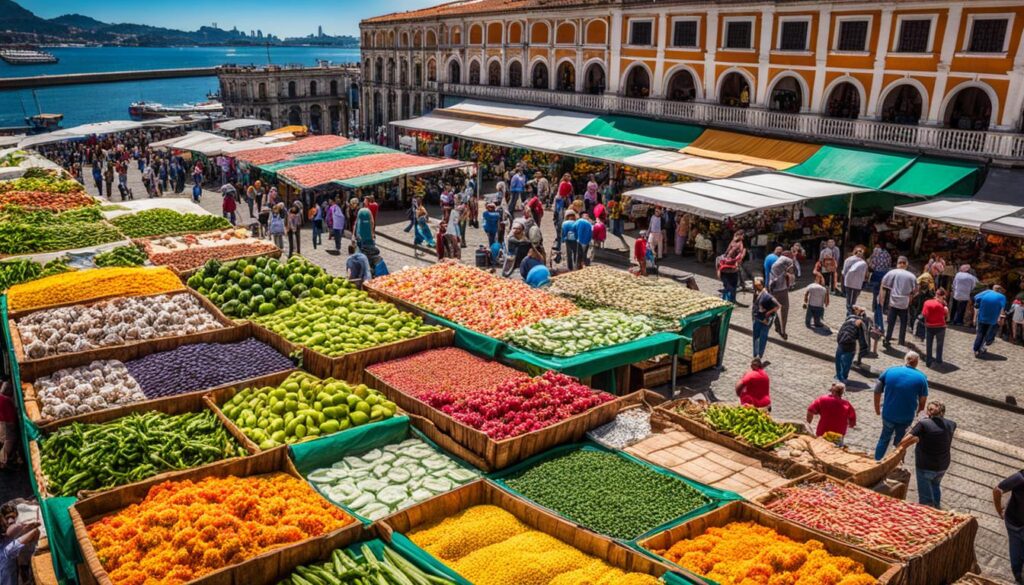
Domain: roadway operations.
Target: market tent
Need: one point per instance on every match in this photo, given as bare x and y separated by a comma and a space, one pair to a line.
11, 140
276, 141
854, 166
1011, 225
563, 121
79, 132
970, 213
356, 165
1003, 186
241, 123
386, 176
928, 177
270, 154
190, 139
643, 131
773, 153
288, 130
688, 164
352, 150
495, 112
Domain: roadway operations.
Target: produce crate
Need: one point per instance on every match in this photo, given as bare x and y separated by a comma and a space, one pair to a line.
887, 572
976, 579
704, 431
479, 449
351, 366
42, 569
483, 492
192, 402
276, 341
33, 368
944, 562
858, 468
641, 399
262, 569
186, 274
705, 336
704, 359
651, 373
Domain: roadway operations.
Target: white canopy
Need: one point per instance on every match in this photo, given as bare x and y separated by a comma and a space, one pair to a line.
970, 213
726, 198
79, 132
189, 141
1012, 225
242, 123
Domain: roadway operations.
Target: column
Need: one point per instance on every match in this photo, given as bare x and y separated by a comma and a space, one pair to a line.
878, 75
552, 66
581, 36
658, 83
821, 49
935, 114
1012, 110
764, 57
710, 53
614, 65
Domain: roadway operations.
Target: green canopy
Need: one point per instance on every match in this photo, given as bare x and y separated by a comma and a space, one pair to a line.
643, 131
929, 177
353, 150
616, 152
854, 166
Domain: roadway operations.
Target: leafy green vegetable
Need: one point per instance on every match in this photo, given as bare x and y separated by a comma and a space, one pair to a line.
121, 256
162, 222
347, 568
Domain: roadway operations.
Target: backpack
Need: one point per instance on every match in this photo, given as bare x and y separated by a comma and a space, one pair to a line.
847, 332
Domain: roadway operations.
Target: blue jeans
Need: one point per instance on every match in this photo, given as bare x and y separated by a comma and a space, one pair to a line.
844, 360
1016, 537
959, 308
851, 299
891, 431
336, 234
814, 314
730, 282
760, 338
928, 491
318, 230
986, 335
876, 308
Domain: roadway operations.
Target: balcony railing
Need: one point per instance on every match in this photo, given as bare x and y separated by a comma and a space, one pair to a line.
1000, 145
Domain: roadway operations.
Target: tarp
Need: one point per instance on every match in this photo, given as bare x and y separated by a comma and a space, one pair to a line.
1002, 186
643, 131
288, 130
970, 214
352, 150
1012, 226
242, 123
854, 166
189, 140
563, 121
929, 177
611, 151
354, 169
495, 111
387, 176
773, 153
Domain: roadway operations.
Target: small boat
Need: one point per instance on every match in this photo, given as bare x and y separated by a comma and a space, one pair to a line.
27, 57
144, 110
43, 122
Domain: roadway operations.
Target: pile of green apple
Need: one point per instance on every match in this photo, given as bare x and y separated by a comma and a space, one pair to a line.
303, 408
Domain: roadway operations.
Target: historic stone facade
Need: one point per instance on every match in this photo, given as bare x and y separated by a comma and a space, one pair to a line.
316, 97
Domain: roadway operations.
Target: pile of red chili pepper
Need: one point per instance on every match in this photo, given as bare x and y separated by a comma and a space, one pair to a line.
41, 200
860, 516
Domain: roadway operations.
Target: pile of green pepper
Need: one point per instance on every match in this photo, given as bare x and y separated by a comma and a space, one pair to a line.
750, 423
14, 272
132, 448
121, 256
345, 568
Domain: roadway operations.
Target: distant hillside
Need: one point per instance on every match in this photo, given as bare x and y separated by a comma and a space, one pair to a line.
79, 21
15, 18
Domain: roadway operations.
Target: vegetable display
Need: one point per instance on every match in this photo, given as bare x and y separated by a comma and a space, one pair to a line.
85, 285
473, 298
626, 428
346, 568
160, 222
865, 518
581, 332
188, 252
383, 481
243, 287
489, 546
447, 370
46, 184
745, 552
606, 287
754, 425
341, 323
42, 200
120, 256
199, 366
609, 494
97, 386
50, 332
23, 238
304, 407
183, 530
14, 272
132, 448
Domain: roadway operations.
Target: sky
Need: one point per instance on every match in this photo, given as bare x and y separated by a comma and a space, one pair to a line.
285, 19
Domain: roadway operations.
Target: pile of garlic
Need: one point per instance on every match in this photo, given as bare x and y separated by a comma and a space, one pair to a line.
97, 386
122, 320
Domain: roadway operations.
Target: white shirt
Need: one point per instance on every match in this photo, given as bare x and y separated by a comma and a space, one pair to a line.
963, 284
854, 270
901, 283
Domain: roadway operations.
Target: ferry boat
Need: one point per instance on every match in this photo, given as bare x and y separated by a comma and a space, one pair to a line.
143, 110
43, 122
27, 57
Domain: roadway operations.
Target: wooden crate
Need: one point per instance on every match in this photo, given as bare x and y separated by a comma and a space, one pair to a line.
976, 579
887, 572
180, 404
944, 562
483, 492
490, 454
704, 359
704, 431
262, 569
351, 366
42, 569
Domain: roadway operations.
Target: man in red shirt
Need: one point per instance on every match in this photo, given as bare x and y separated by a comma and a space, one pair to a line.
935, 312
640, 253
837, 414
8, 426
754, 387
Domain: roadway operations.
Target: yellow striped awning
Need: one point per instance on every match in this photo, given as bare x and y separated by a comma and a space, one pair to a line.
755, 150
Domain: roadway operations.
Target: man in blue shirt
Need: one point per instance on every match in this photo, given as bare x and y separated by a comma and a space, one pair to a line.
770, 260
358, 266
989, 305
517, 188
569, 237
584, 235
532, 260
491, 218
904, 390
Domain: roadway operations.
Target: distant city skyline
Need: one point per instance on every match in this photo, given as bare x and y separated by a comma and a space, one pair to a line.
296, 18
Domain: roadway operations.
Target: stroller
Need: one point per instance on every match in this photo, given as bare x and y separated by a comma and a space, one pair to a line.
125, 191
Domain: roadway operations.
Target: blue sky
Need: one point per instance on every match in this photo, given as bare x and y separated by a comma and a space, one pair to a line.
283, 18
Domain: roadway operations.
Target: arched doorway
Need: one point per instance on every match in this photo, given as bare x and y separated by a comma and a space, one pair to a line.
903, 105
787, 96
265, 114
294, 116
843, 102
682, 87
315, 119
454, 72
594, 81
735, 91
566, 77
540, 76
417, 74
262, 91
474, 73
378, 71
970, 109
334, 113
515, 74
494, 73
638, 83
378, 111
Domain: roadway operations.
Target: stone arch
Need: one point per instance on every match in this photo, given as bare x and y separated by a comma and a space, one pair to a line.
312, 88
454, 71
515, 33
294, 116
292, 89
494, 33
596, 32
367, 40
904, 101
515, 73
455, 36
636, 83
731, 84
378, 39
334, 87
431, 38
565, 76
845, 98
540, 33
391, 38
476, 34
683, 84
595, 79
971, 105
565, 34
417, 39
540, 77
316, 119
494, 72
431, 70
788, 93
404, 39
474, 72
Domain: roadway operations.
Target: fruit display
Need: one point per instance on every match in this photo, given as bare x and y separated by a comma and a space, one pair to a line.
50, 332
610, 494
262, 283
21, 270
446, 370
350, 568
382, 481
607, 287
98, 386
191, 251
45, 184
41, 200
746, 552
199, 366
120, 256
473, 298
303, 408
160, 222
865, 518
488, 546
132, 448
23, 238
85, 285
341, 323
754, 425
582, 332
183, 530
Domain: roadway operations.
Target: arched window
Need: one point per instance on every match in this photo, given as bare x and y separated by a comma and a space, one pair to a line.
316, 119
494, 73
334, 87
378, 71
417, 74
291, 89
474, 73
682, 87
638, 82
843, 102
539, 33
494, 33
312, 88
454, 72
262, 91
565, 77
515, 74
787, 96
597, 32
515, 33
476, 35
431, 38
735, 91
404, 73
903, 105
391, 70
594, 81
431, 70
417, 39
245, 91
404, 39
294, 116
970, 109
540, 78
456, 36
565, 34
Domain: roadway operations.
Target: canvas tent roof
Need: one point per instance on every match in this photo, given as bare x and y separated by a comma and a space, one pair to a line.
973, 214
773, 153
242, 123
1002, 186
